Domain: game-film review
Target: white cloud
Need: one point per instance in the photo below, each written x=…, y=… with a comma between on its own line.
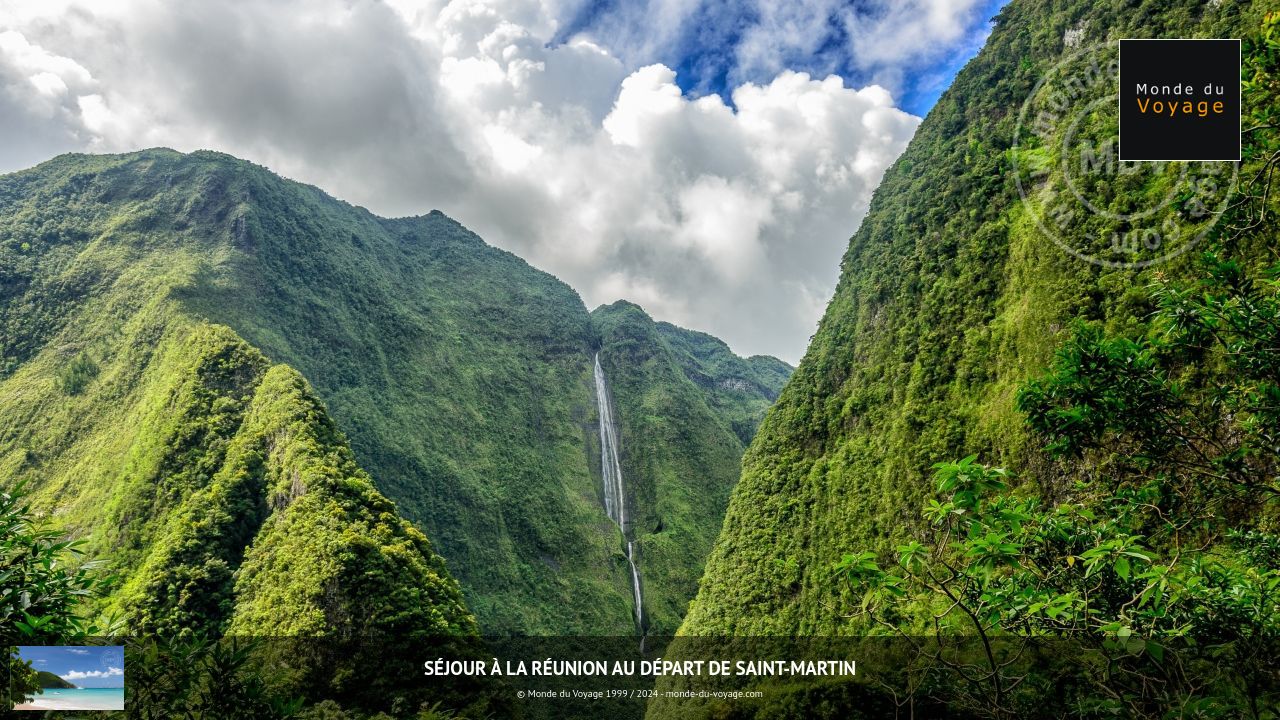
x=78, y=651
x=879, y=35
x=898, y=30
x=902, y=35
x=726, y=219
x=39, y=101
x=90, y=674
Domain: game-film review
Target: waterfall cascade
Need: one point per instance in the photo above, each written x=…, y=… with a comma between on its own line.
x=615, y=497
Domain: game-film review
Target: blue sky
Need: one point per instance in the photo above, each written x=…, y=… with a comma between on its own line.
x=706, y=159
x=821, y=37
x=86, y=667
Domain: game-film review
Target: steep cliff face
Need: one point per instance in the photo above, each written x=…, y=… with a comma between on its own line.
x=950, y=297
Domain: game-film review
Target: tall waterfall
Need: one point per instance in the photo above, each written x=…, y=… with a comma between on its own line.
x=615, y=496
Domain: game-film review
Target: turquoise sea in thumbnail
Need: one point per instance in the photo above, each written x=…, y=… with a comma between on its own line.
x=77, y=699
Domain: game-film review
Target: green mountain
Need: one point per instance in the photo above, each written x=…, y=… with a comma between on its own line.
x=950, y=298
x=219, y=377
x=739, y=390
x=48, y=680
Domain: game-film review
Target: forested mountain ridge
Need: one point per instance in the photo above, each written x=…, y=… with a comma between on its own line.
x=189, y=342
x=950, y=299
x=740, y=389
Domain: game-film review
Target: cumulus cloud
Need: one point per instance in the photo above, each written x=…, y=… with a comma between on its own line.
x=110, y=672
x=730, y=221
x=40, y=101
x=723, y=214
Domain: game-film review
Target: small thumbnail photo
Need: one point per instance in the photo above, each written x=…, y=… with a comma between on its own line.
x=66, y=678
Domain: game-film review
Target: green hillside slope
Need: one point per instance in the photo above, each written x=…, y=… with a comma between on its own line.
x=141, y=296
x=220, y=487
x=949, y=299
x=49, y=680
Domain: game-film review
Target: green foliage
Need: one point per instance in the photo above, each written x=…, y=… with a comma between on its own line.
x=77, y=374
x=24, y=680
x=43, y=578
x=739, y=390
x=334, y=553
x=43, y=583
x=460, y=376
x=288, y=535
x=329, y=710
x=1164, y=612
x=949, y=298
x=197, y=679
x=242, y=677
x=1155, y=559
x=1141, y=402
x=1260, y=145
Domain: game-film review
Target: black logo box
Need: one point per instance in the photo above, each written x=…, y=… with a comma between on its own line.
x=1180, y=65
